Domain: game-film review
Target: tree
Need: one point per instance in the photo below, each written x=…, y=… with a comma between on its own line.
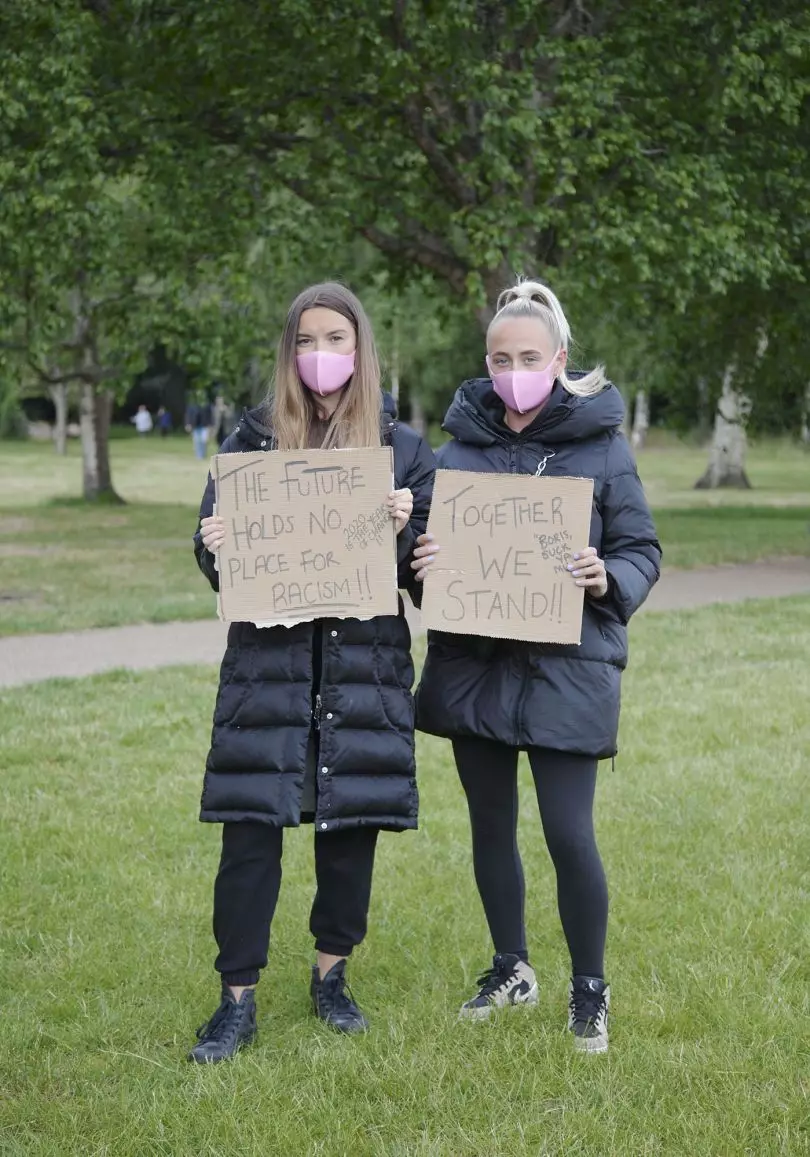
x=472, y=139
x=98, y=262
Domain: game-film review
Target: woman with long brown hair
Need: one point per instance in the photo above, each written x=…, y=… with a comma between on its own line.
x=315, y=722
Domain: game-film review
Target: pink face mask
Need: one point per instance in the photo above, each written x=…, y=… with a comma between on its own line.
x=523, y=390
x=324, y=372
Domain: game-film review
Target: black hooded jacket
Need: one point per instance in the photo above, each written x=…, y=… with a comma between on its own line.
x=560, y=696
x=263, y=719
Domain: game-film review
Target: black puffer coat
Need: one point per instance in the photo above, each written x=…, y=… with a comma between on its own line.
x=565, y=697
x=263, y=716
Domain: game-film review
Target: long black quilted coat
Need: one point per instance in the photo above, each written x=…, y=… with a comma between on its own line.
x=263, y=715
x=564, y=697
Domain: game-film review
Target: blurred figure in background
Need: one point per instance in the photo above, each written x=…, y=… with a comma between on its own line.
x=223, y=417
x=143, y=420
x=198, y=423
x=164, y=422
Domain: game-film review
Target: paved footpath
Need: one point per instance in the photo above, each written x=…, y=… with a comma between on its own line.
x=31, y=658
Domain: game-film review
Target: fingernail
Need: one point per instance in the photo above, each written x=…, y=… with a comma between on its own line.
x=580, y=582
x=430, y=558
x=429, y=537
x=576, y=572
x=577, y=556
x=570, y=566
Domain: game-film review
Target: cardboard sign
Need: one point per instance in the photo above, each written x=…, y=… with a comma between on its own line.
x=308, y=535
x=506, y=541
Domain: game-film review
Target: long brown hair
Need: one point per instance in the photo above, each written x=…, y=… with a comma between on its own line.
x=292, y=407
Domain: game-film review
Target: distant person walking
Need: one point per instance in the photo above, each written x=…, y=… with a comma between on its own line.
x=198, y=423
x=164, y=422
x=143, y=421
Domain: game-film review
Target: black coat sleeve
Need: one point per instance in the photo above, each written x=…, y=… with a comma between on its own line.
x=418, y=478
x=205, y=559
x=630, y=547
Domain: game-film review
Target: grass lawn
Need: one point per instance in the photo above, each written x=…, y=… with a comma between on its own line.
x=105, y=945
x=69, y=566
x=167, y=471
x=66, y=566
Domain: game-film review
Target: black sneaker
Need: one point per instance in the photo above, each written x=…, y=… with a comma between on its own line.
x=232, y=1026
x=333, y=1002
x=588, y=1004
x=510, y=981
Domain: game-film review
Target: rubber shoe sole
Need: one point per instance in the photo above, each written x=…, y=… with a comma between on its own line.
x=591, y=1044
x=202, y=1060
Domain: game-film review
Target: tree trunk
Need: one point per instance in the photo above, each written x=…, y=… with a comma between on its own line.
x=495, y=281
x=729, y=442
x=626, y=418
x=95, y=411
x=417, y=416
x=60, y=402
x=641, y=420
x=395, y=362
x=805, y=428
x=704, y=422
x=257, y=381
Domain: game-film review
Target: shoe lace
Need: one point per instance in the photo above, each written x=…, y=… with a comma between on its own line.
x=342, y=996
x=490, y=981
x=223, y=1024
x=586, y=1006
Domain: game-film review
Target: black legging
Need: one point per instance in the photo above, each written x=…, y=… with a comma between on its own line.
x=565, y=785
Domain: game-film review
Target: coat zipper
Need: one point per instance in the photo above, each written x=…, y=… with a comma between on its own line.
x=316, y=713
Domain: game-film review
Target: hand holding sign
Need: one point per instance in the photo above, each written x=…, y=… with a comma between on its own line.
x=400, y=503
x=212, y=532
x=589, y=571
x=586, y=567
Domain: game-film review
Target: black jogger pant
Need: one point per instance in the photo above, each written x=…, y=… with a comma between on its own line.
x=565, y=785
x=247, y=887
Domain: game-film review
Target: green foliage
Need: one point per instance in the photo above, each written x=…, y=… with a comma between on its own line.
x=177, y=174
x=471, y=139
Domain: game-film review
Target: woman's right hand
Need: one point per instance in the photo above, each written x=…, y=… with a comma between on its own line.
x=424, y=555
x=212, y=532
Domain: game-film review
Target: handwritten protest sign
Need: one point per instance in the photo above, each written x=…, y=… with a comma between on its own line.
x=307, y=535
x=506, y=541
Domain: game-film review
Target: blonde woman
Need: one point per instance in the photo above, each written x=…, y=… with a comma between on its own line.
x=312, y=723
x=560, y=704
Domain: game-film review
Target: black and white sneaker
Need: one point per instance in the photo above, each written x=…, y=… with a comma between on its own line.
x=510, y=982
x=588, y=1005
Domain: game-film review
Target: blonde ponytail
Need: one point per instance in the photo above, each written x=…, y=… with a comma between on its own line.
x=533, y=299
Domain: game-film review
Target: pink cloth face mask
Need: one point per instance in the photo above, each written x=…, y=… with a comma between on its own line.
x=324, y=372
x=523, y=390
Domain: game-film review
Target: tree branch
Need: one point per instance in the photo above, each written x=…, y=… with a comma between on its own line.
x=447, y=174
x=424, y=250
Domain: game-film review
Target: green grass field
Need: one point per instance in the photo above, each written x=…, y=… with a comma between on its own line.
x=167, y=472
x=66, y=566
x=105, y=945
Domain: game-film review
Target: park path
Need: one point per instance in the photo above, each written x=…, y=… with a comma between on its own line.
x=31, y=658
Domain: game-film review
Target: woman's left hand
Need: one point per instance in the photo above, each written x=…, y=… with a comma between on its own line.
x=589, y=571
x=400, y=504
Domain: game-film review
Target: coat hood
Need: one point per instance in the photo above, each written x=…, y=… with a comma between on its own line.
x=476, y=415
